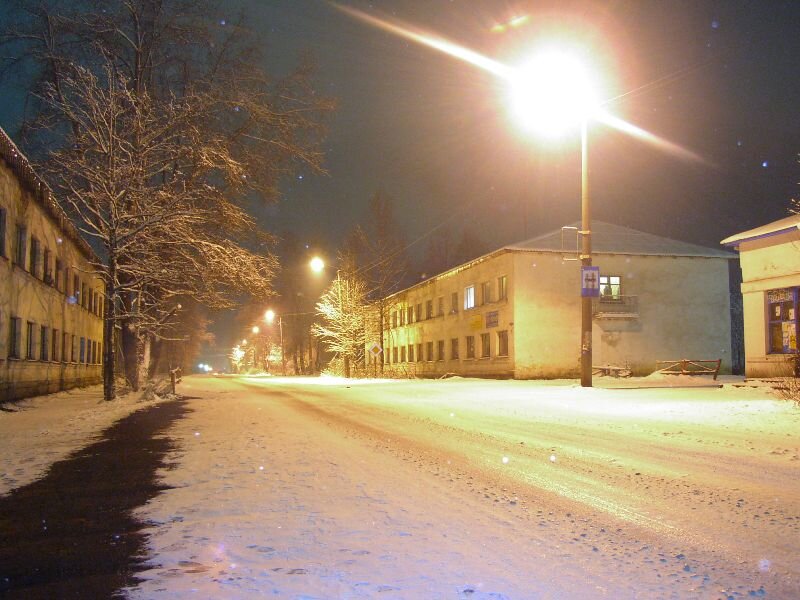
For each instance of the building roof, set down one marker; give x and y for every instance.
(791, 223)
(23, 170)
(615, 239)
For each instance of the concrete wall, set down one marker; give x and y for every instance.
(682, 310)
(53, 304)
(457, 324)
(767, 264)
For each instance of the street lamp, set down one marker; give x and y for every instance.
(551, 93)
(269, 317)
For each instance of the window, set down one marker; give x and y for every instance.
(394, 354)
(76, 289)
(15, 338)
(410, 315)
(454, 348)
(411, 353)
(73, 344)
(99, 353)
(402, 354)
(610, 288)
(469, 297)
(20, 249)
(58, 275)
(470, 346)
(440, 306)
(440, 350)
(82, 355)
(64, 347)
(44, 346)
(502, 287)
(429, 351)
(419, 313)
(485, 348)
(454, 303)
(47, 274)
(83, 295)
(2, 231)
(30, 330)
(429, 309)
(419, 352)
(486, 292)
(54, 346)
(34, 257)
(502, 343)
(394, 318)
(402, 316)
(782, 311)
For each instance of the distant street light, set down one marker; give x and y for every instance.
(550, 94)
(255, 329)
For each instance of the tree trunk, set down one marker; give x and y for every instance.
(143, 344)
(108, 338)
(347, 366)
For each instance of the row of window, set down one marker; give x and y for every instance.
(412, 314)
(47, 344)
(425, 352)
(40, 263)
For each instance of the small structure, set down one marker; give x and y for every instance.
(51, 304)
(515, 312)
(770, 259)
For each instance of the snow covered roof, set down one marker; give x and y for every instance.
(608, 238)
(776, 227)
(22, 168)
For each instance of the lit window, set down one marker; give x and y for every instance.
(469, 297)
(782, 320)
(610, 288)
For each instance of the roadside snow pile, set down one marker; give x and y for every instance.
(42, 430)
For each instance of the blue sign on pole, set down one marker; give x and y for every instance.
(590, 281)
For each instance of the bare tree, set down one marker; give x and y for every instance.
(166, 130)
(343, 311)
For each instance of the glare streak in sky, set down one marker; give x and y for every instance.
(507, 73)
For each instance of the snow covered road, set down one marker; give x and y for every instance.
(476, 489)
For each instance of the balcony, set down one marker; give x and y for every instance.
(616, 307)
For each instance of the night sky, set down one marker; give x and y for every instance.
(435, 134)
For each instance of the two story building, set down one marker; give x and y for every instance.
(51, 303)
(515, 312)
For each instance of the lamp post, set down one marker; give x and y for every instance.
(550, 93)
(269, 317)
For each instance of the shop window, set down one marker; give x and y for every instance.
(782, 324)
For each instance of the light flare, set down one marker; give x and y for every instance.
(510, 74)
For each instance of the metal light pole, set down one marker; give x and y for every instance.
(586, 261)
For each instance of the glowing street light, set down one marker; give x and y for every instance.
(552, 93)
(269, 316)
(317, 264)
(255, 329)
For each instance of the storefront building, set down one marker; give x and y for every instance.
(770, 259)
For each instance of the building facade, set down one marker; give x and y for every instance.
(770, 258)
(516, 312)
(51, 304)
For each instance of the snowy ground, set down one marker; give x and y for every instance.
(314, 488)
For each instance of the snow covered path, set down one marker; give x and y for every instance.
(476, 489)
